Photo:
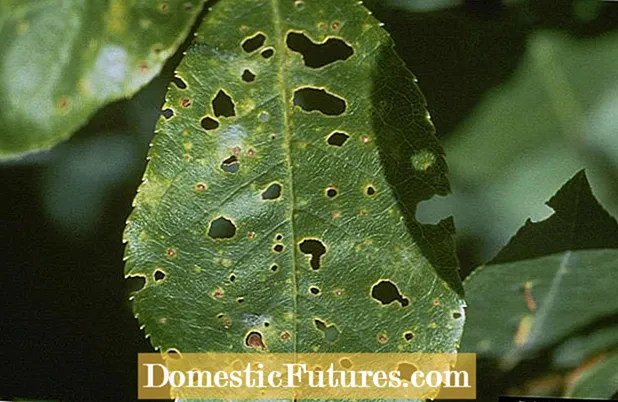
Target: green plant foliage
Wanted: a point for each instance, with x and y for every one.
(62, 60)
(277, 209)
(583, 347)
(579, 222)
(518, 308)
(599, 381)
(528, 300)
(545, 123)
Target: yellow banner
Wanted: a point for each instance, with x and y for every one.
(307, 376)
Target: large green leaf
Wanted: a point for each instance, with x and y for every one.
(528, 300)
(277, 209)
(580, 348)
(61, 60)
(518, 308)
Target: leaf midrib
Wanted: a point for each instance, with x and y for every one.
(285, 95)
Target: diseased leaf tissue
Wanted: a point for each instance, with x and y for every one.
(277, 208)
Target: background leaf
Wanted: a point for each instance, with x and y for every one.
(279, 177)
(598, 381)
(518, 308)
(62, 60)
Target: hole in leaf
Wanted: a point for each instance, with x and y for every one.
(279, 237)
(310, 99)
(232, 278)
(254, 340)
(240, 300)
(180, 84)
(331, 333)
(167, 113)
(173, 354)
(456, 315)
(248, 76)
(331, 192)
(136, 283)
(266, 324)
(406, 370)
(387, 292)
(268, 53)
(300, 4)
(272, 192)
(318, 55)
(370, 190)
(278, 248)
(159, 275)
(314, 290)
(315, 248)
(253, 43)
(337, 139)
(223, 105)
(222, 228)
(230, 165)
(408, 336)
(208, 123)
(274, 267)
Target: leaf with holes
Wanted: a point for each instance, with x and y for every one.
(527, 300)
(277, 208)
(63, 60)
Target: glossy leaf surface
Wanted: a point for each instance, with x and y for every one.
(277, 209)
(62, 60)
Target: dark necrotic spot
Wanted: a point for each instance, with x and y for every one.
(310, 99)
(167, 113)
(223, 105)
(331, 192)
(370, 190)
(222, 228)
(159, 275)
(268, 53)
(408, 336)
(315, 248)
(279, 237)
(208, 123)
(240, 300)
(456, 315)
(331, 333)
(274, 267)
(254, 340)
(318, 55)
(179, 82)
(230, 165)
(337, 139)
(248, 76)
(232, 278)
(272, 192)
(253, 43)
(314, 290)
(278, 248)
(387, 292)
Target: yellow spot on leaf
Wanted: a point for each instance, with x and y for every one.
(116, 18)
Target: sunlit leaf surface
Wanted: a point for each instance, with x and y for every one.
(277, 209)
(62, 60)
